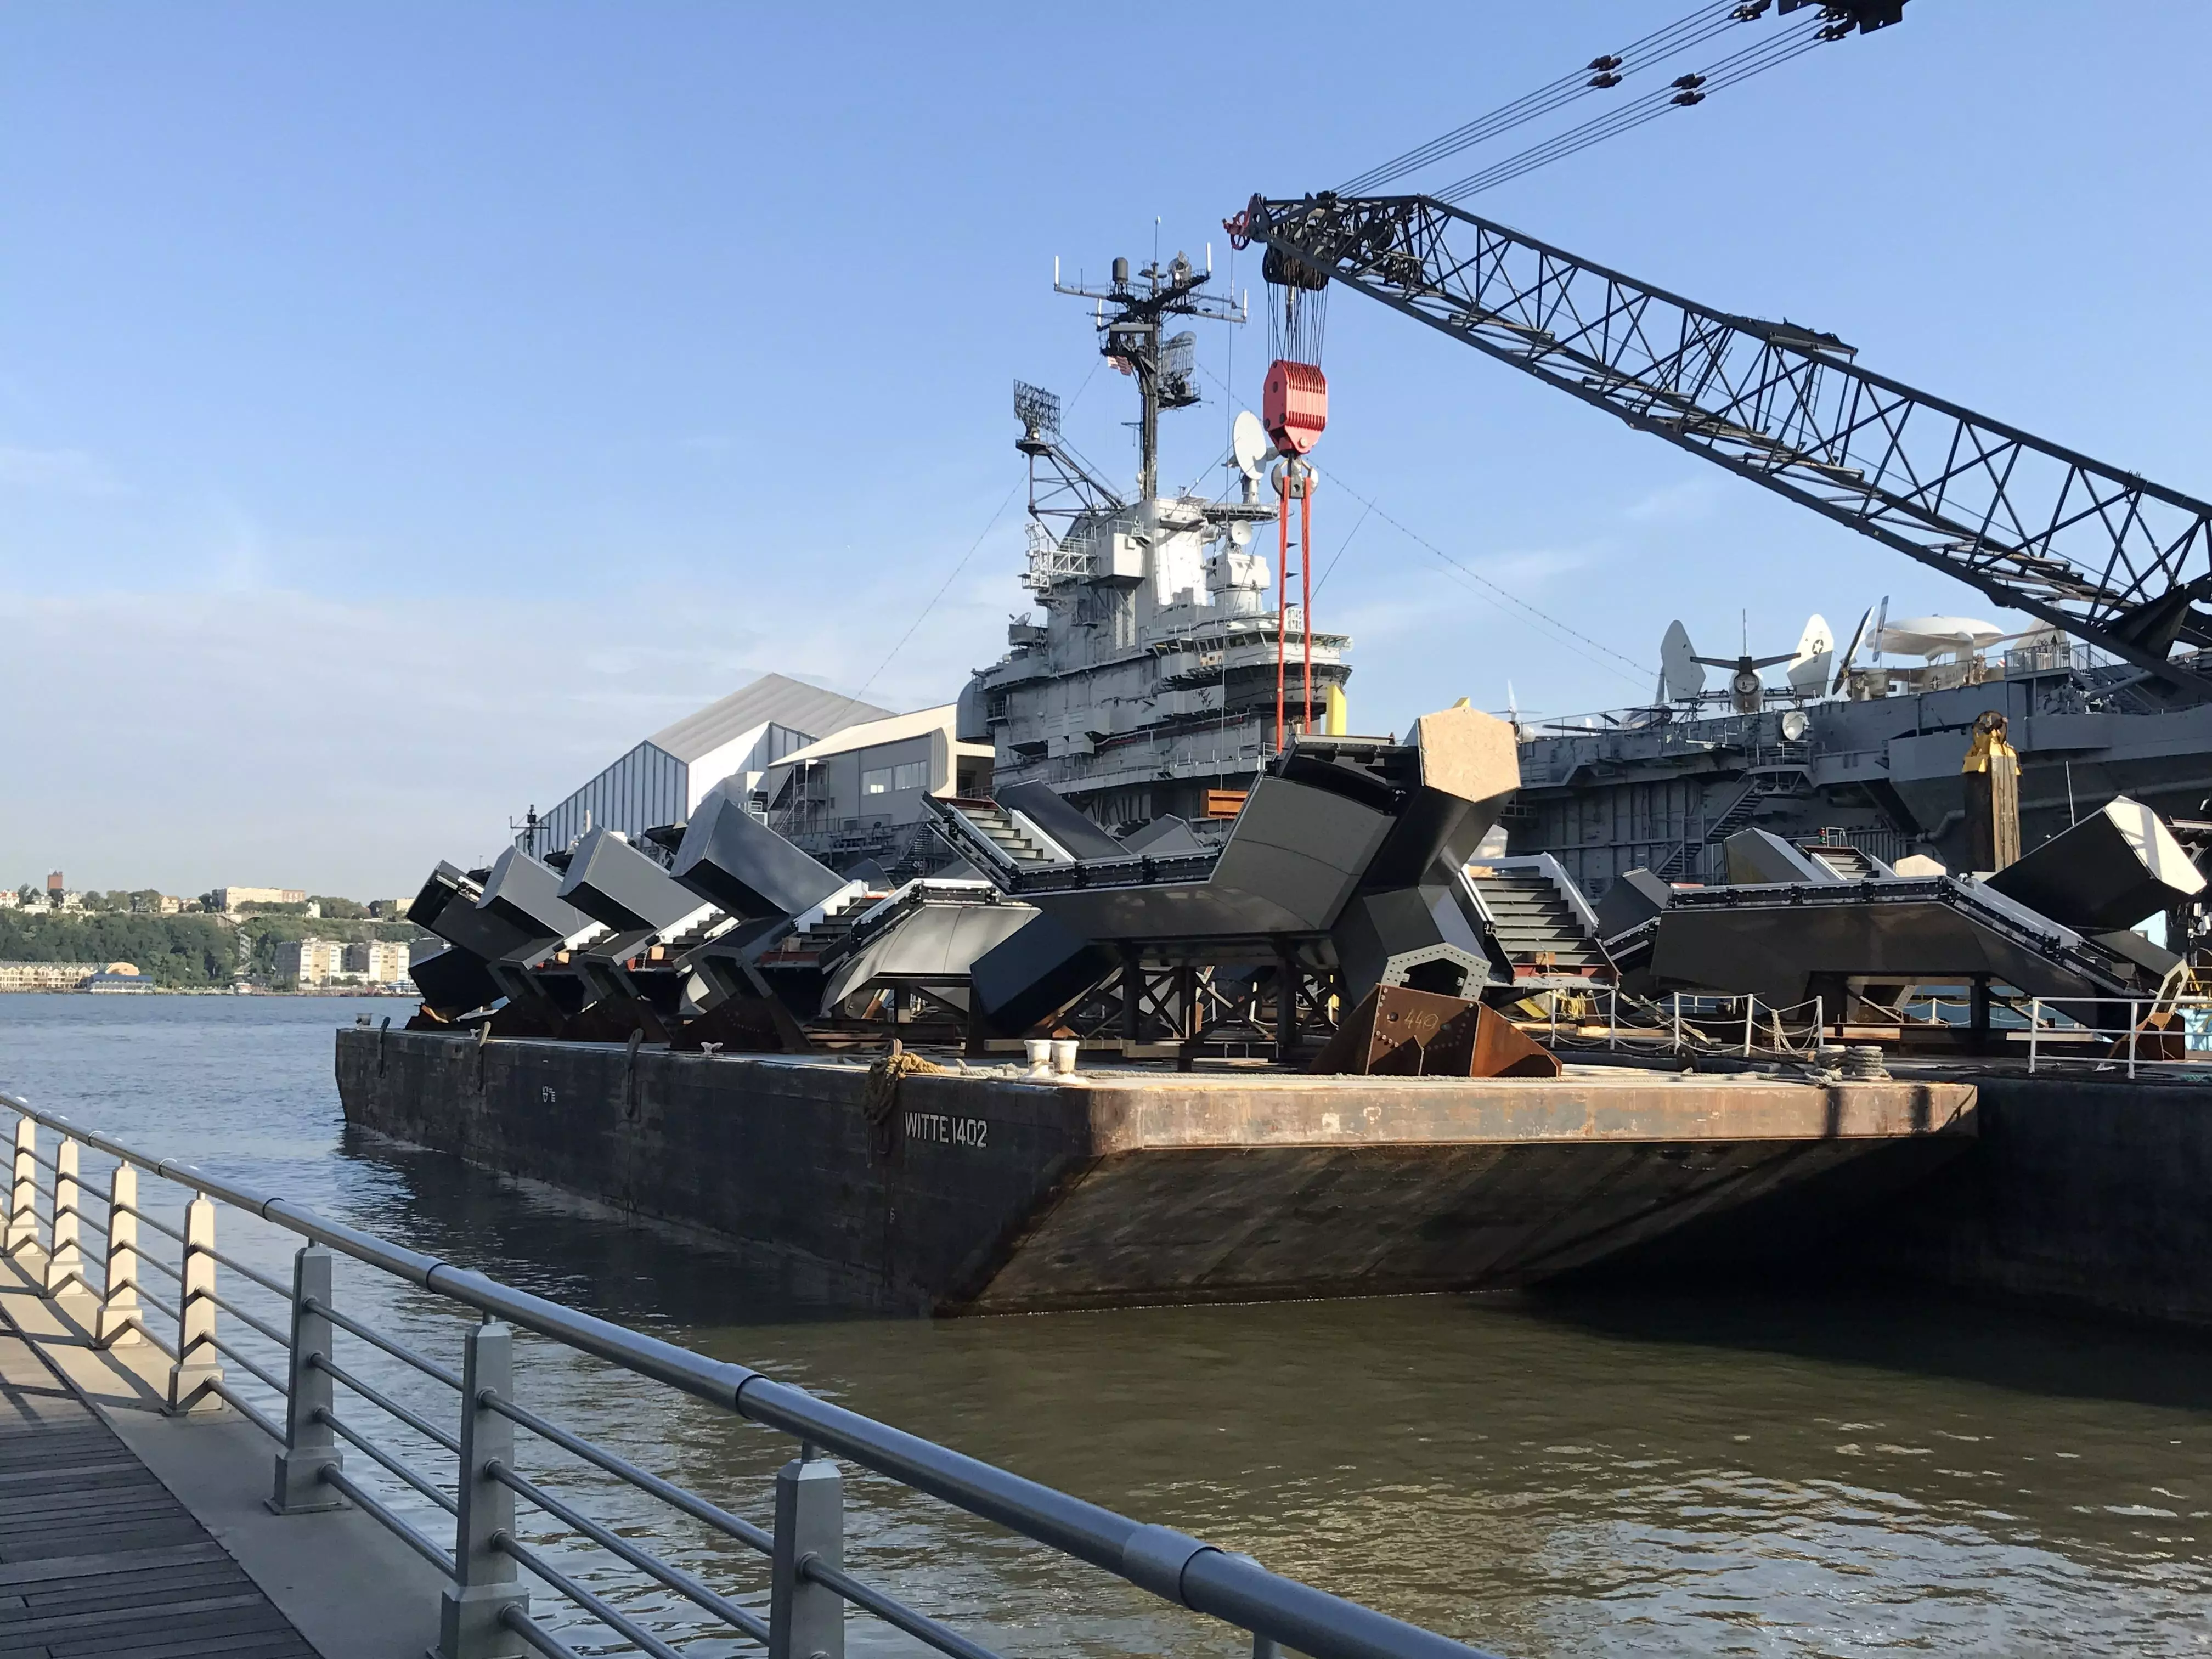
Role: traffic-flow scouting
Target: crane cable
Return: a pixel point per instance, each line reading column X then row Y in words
column 1691, row 90
column 1611, row 68
column 1494, row 592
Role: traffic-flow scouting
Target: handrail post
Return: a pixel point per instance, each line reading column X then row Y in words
column 117, row 1326
column 198, row 1366
column 2034, row 1030
column 310, row 1444
column 2135, row 1022
column 472, row 1611
column 1677, row 1022
column 65, row 1280
column 806, row 1620
column 23, row 1191
column 1750, row 1013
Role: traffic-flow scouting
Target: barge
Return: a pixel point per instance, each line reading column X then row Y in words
column 986, row 1191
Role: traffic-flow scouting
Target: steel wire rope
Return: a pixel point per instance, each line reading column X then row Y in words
column 1727, row 72
column 1543, row 617
column 945, row 587
column 1697, row 28
column 1366, row 512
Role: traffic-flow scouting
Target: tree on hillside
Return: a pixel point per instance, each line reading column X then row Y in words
column 178, row 952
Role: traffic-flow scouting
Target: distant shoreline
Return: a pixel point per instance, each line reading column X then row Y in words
column 218, row 991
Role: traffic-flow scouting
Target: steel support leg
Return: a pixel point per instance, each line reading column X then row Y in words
column 1286, row 1006
column 471, row 1612
column 806, row 1620
column 310, row 1444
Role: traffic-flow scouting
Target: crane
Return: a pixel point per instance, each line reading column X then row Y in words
column 2107, row 556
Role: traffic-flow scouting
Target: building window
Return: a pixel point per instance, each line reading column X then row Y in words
column 877, row 781
column 911, row 775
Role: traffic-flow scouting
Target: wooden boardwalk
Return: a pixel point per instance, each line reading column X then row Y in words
column 96, row 1557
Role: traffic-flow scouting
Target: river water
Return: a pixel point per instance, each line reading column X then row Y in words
column 1728, row 1472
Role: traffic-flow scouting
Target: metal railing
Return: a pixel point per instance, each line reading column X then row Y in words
column 2132, row 1037
column 2129, row 1036
column 485, row 1611
column 1680, row 1025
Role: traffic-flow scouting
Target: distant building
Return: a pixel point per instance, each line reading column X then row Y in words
column 46, row 975
column 310, row 960
column 67, row 901
column 231, row 900
column 389, row 910
column 10, row 899
column 155, row 904
column 378, row 961
column 55, row 885
column 316, row 961
column 117, row 976
column 661, row 780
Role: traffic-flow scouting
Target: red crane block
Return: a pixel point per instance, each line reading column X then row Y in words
column 1294, row 405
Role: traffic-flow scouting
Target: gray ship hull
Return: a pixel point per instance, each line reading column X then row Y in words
column 1887, row 772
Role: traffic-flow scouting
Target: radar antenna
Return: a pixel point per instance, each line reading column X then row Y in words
column 1129, row 338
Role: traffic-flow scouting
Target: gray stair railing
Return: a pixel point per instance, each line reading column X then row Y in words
column 487, row 1611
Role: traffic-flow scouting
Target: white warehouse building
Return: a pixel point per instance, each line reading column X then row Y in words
column 665, row 777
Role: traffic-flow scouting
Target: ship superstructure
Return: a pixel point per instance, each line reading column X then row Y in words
column 1868, row 759
column 1149, row 687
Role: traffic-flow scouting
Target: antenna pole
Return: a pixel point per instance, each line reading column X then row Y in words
column 1148, row 390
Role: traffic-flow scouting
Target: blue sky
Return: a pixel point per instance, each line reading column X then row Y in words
column 403, row 408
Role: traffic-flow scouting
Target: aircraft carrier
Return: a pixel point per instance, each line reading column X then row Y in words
column 1168, row 985
column 1868, row 755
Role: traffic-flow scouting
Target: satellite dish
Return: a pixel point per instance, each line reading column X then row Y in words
column 1248, row 443
column 1239, row 533
column 1816, row 649
column 1851, row 652
column 1680, row 671
column 1794, row 725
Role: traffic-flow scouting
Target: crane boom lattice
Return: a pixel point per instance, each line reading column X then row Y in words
column 2108, row 557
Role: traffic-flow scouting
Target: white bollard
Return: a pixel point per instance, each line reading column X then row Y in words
column 199, row 1365
column 119, row 1313
column 65, row 1262
column 23, row 1191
